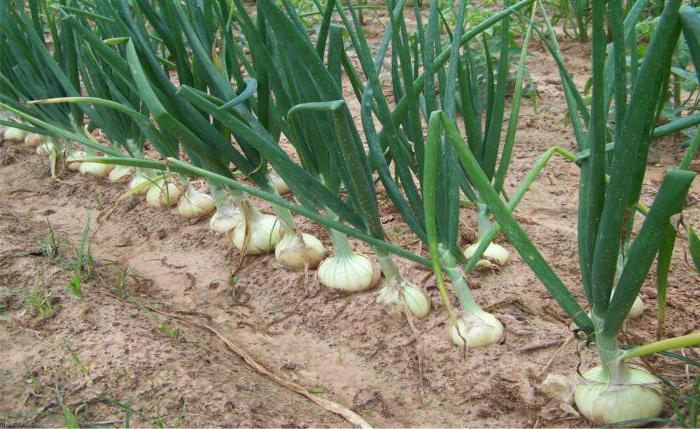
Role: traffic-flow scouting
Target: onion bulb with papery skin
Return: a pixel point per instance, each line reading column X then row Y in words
column 494, row 253
column 95, row 168
column 226, row 218
column 14, row 134
column 559, row 387
column 477, row 329
column 139, row 182
column 392, row 295
column 296, row 250
column 195, row 204
column 634, row 396
column 73, row 159
column 33, row 140
column 351, row 273
column 279, row 184
column 121, row 174
column 265, row 233
column 637, row 308
column 163, row 193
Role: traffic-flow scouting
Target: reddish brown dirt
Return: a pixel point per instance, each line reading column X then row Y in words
column 341, row 347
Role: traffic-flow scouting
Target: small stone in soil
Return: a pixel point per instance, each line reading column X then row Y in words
column 291, row 366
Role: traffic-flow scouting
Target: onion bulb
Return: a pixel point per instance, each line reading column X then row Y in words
column 140, row 182
column 494, row 253
column 352, row 273
column 634, row 396
column 163, row 193
column 33, row 140
column 14, row 134
column 477, row 329
column 558, row 387
column 264, row 233
column 637, row 308
column 295, row 251
column 95, row 168
column 279, row 184
column 195, row 204
column 121, row 174
column 226, row 218
column 392, row 296
column 73, row 159
column 48, row 149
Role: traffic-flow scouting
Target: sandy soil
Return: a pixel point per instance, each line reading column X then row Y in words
column 107, row 347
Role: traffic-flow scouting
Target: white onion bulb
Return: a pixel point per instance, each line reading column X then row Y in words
column 264, row 233
column 494, row 253
column 195, row 204
column 635, row 396
column 478, row 330
column 163, row 194
column 73, row 159
column 637, row 308
column 140, row 182
column 559, row 387
column 121, row 174
column 14, row 134
column 279, row 184
column 296, row 250
column 226, row 218
column 350, row 273
column 95, row 168
column 392, row 295
column 33, row 140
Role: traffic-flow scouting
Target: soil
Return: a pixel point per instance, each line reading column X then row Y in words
column 119, row 353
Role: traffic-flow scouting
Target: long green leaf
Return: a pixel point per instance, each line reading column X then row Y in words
column 531, row 256
column 669, row 201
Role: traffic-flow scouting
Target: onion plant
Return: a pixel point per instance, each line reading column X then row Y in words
column 61, row 57
column 610, row 189
column 205, row 111
column 142, row 62
column 46, row 72
column 401, row 139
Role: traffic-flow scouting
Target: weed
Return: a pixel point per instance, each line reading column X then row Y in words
column 686, row 405
column 50, row 244
column 127, row 408
column 232, row 288
column 75, row 285
column 39, row 298
column 163, row 327
column 74, row 357
column 70, row 420
column 181, row 414
column 120, row 284
column 83, row 263
column 169, row 331
column 37, row 387
column 158, row 419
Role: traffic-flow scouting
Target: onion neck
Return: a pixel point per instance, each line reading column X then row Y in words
column 250, row 213
column 341, row 245
column 219, row 195
column 484, row 221
column 388, row 266
column 449, row 265
column 609, row 352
